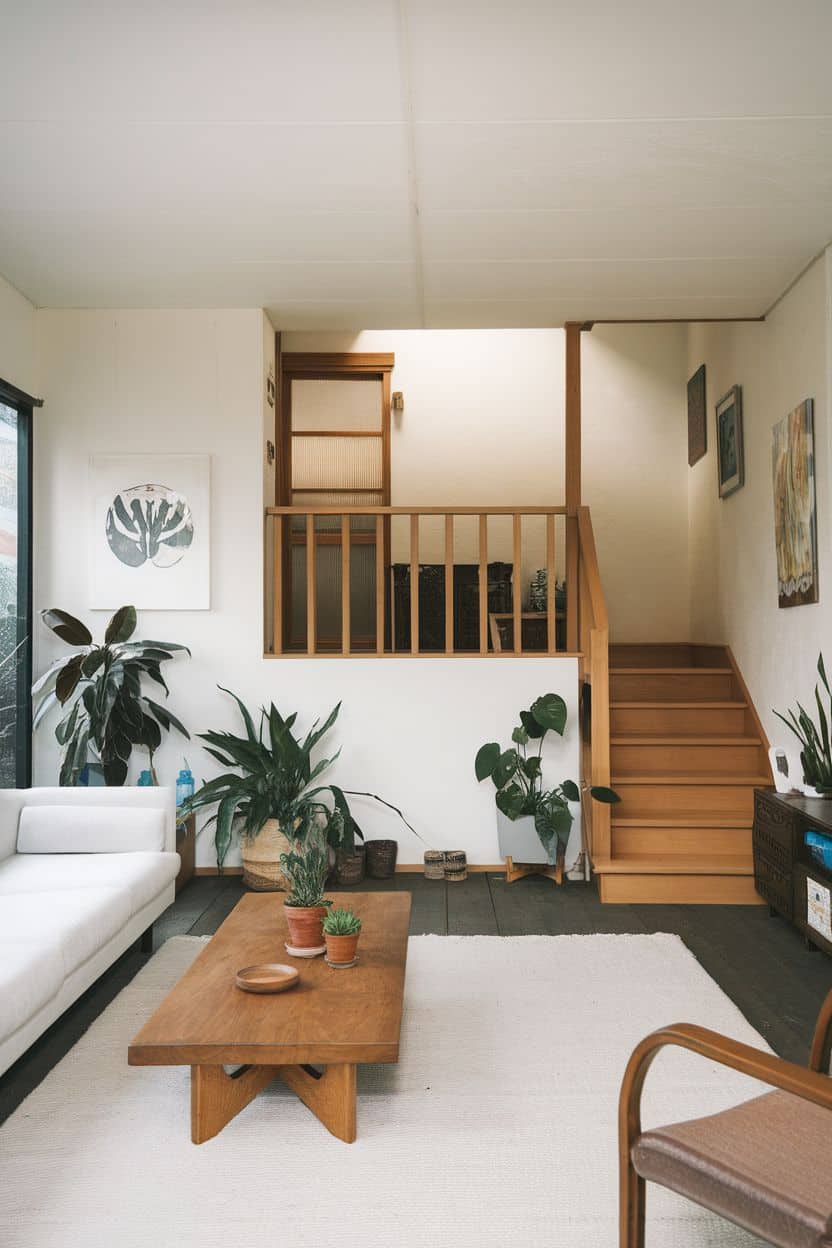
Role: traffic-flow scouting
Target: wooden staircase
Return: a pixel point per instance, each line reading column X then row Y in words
column 686, row 752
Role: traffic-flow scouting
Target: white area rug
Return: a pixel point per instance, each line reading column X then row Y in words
column 498, row 1126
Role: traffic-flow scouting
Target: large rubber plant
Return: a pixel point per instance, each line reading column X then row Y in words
column 100, row 688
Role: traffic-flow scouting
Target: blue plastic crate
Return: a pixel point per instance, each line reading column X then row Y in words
column 820, row 848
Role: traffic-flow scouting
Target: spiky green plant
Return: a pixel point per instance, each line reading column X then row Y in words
column 341, row 923
column 816, row 751
column 306, row 868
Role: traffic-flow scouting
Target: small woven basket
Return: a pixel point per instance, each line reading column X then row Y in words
column 381, row 859
column 456, row 865
column 349, row 867
column 261, row 858
column 434, row 864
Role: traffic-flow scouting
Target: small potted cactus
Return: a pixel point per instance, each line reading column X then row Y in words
column 341, row 930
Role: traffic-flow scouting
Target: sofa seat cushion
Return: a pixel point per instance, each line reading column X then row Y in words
column 77, row 923
column 31, row 974
column 88, row 829
column 142, row 875
column 763, row 1164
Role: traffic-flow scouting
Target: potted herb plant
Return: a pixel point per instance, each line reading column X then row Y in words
column 341, row 931
column 816, row 750
column 305, row 869
column 533, row 822
column 268, row 795
column 109, row 714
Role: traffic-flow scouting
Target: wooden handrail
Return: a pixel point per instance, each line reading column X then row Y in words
column 594, row 665
column 589, row 557
column 371, row 509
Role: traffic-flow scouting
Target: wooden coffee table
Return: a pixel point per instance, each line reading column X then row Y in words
column 311, row 1037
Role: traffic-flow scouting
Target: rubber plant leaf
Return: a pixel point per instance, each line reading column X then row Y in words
column 66, row 627
column 121, row 627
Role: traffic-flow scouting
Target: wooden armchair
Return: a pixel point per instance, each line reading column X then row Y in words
column 765, row 1164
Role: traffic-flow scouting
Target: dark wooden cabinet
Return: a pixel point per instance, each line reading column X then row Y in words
column 784, row 871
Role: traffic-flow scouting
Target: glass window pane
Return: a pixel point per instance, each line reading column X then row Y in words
column 336, row 463
column 337, row 405
column 10, row 651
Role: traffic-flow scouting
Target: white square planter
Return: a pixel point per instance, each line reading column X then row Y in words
column 518, row 839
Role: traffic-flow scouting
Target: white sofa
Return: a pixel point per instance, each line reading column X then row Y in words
column 83, row 874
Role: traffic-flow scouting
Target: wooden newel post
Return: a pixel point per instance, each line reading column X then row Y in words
column 572, row 451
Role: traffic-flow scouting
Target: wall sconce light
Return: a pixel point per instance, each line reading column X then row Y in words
column 397, row 401
column 270, row 452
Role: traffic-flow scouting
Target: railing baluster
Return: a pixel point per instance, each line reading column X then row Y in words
column 414, row 583
column 346, row 553
column 277, row 586
column 551, row 618
column 311, row 609
column 449, row 584
column 379, row 585
column 483, row 584
column 516, row 586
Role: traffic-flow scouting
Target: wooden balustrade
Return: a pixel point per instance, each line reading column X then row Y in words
column 303, row 536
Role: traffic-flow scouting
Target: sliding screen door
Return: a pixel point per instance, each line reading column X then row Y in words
column 15, row 596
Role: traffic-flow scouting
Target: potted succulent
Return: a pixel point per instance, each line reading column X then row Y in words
column 341, row 931
column 305, row 869
column 533, row 822
column 268, row 795
column 108, row 712
column 816, row 749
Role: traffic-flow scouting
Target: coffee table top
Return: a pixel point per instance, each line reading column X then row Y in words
column 332, row 1016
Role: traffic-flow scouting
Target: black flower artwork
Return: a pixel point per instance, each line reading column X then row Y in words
column 149, row 522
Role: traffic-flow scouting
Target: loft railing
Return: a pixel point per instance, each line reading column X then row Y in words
column 381, row 580
column 593, row 640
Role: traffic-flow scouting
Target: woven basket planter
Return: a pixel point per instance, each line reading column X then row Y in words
column 381, row 859
column 261, row 858
column 434, row 864
column 456, row 866
column 349, row 868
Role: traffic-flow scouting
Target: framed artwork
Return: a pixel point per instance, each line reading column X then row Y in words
column 795, row 521
column 150, row 532
column 697, row 418
column 730, row 456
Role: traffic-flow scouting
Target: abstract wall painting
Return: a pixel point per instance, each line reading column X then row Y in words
column 729, row 447
column 795, row 521
column 150, row 532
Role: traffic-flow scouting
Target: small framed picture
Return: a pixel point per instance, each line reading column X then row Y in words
column 730, row 459
column 697, row 417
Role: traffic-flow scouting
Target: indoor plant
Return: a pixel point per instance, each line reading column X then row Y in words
column 816, row 750
column 341, row 930
column 270, row 797
column 305, row 869
column 527, row 813
column 109, row 714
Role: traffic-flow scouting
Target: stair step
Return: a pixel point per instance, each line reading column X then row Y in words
column 750, row 780
column 708, row 755
column 679, row 719
column 672, row 684
column 634, row 838
column 676, row 654
column 648, row 864
column 713, row 819
column 650, row 738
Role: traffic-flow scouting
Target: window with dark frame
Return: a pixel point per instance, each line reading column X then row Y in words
column 15, row 587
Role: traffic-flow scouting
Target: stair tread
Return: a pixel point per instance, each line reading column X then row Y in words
column 691, row 777
column 698, row 706
column 671, row 671
column 681, row 864
column 708, row 819
column 651, row 738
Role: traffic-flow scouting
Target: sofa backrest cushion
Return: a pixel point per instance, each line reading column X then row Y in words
column 90, row 829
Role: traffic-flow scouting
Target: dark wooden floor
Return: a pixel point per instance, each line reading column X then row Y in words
column 760, row 962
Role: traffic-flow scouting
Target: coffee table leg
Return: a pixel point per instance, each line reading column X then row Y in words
column 329, row 1094
column 216, row 1097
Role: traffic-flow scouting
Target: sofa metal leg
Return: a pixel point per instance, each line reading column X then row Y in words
column 146, row 940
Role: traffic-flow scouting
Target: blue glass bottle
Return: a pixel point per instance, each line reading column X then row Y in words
column 184, row 785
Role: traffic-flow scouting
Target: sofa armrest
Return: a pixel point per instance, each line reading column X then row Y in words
column 99, row 798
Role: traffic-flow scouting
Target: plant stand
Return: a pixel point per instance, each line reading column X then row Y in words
column 516, row 871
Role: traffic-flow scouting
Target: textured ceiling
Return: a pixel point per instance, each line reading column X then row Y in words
column 420, row 162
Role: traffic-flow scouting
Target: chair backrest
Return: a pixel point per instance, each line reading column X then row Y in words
column 820, row 1057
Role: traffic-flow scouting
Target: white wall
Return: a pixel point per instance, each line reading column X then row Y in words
column 733, row 583
column 193, row 381
column 483, row 425
column 17, row 340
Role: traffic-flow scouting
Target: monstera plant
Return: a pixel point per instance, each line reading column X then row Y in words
column 517, row 776
column 108, row 712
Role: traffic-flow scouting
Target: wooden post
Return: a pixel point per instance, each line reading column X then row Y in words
column 551, row 619
column 311, row 609
column 379, row 585
column 572, row 483
column 483, row 584
column 277, row 584
column 516, row 584
column 346, row 554
column 449, row 584
column 414, row 584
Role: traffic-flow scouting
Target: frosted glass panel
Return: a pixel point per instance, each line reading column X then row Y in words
column 336, row 404
column 336, row 463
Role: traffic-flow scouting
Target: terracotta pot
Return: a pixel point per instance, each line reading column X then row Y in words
column 342, row 948
column 261, row 858
column 305, row 925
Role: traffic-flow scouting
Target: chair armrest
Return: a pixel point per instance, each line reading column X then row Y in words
column 775, row 1071
column 821, row 1051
